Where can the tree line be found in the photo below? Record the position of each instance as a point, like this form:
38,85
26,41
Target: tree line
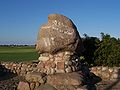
15,45
104,51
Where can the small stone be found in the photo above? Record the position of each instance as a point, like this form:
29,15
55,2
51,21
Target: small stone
24,65
14,65
41,65
53,65
37,84
49,64
76,59
43,80
105,75
60,54
110,70
34,65
67,53
30,69
11,63
99,68
116,70
69,63
45,54
99,72
58,59
68,69
94,69
115,75
66,58
23,86
60,71
14,71
32,86
52,70
43,70
48,71
60,65
27,69
18,71
23,72
23,69
29,66
28,72
38,70
66,62
34,69
43,58
51,56
52,59
104,68
73,68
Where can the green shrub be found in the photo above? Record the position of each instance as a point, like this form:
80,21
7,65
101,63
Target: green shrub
90,47
108,51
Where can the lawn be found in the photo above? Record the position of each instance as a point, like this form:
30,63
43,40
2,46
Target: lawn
23,53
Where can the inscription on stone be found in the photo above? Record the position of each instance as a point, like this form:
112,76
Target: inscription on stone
59,34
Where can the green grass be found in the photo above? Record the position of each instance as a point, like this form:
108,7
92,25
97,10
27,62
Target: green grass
18,53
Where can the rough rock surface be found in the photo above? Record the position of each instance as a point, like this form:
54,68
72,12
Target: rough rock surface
23,86
59,34
36,77
73,78
46,87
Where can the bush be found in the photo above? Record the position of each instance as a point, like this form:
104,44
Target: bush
104,52
108,51
90,47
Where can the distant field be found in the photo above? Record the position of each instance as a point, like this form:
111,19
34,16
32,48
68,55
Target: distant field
18,53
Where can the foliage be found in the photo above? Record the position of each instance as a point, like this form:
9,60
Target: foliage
90,47
108,52
105,52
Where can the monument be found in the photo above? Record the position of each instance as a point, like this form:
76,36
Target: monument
59,45
59,68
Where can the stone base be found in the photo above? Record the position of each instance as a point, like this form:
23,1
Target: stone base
58,81
62,62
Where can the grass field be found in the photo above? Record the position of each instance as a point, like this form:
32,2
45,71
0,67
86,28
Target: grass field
23,53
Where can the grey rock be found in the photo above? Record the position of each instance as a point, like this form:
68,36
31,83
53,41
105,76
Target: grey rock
59,34
45,87
73,78
36,77
23,86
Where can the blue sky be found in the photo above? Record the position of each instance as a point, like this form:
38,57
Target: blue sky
20,20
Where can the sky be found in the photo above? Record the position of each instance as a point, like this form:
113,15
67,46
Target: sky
20,20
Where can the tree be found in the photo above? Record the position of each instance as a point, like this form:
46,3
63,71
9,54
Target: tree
108,51
90,47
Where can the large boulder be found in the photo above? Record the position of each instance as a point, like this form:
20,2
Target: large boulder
59,34
45,87
74,79
36,77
